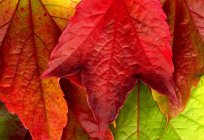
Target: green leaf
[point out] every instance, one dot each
(190, 123)
(148, 123)
(140, 117)
(10, 126)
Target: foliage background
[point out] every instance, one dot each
(152, 123)
(142, 120)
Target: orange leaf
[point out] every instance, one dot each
(29, 29)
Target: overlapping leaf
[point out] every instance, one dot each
(113, 43)
(29, 29)
(74, 130)
(77, 100)
(190, 123)
(152, 124)
(186, 20)
(140, 118)
(195, 9)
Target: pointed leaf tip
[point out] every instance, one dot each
(75, 95)
(29, 30)
(186, 20)
(110, 44)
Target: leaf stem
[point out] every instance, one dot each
(138, 111)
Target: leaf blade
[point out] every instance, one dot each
(188, 48)
(186, 126)
(78, 105)
(147, 124)
(25, 48)
(189, 124)
(110, 58)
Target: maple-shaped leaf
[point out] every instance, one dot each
(29, 29)
(186, 20)
(77, 100)
(113, 43)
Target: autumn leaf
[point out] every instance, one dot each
(188, 46)
(186, 20)
(196, 13)
(77, 100)
(113, 43)
(190, 123)
(29, 29)
(74, 130)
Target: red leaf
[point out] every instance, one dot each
(186, 20)
(113, 43)
(29, 29)
(197, 15)
(77, 100)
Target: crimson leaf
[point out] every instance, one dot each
(113, 43)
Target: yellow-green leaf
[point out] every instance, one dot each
(148, 123)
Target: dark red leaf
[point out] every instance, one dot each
(77, 100)
(186, 19)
